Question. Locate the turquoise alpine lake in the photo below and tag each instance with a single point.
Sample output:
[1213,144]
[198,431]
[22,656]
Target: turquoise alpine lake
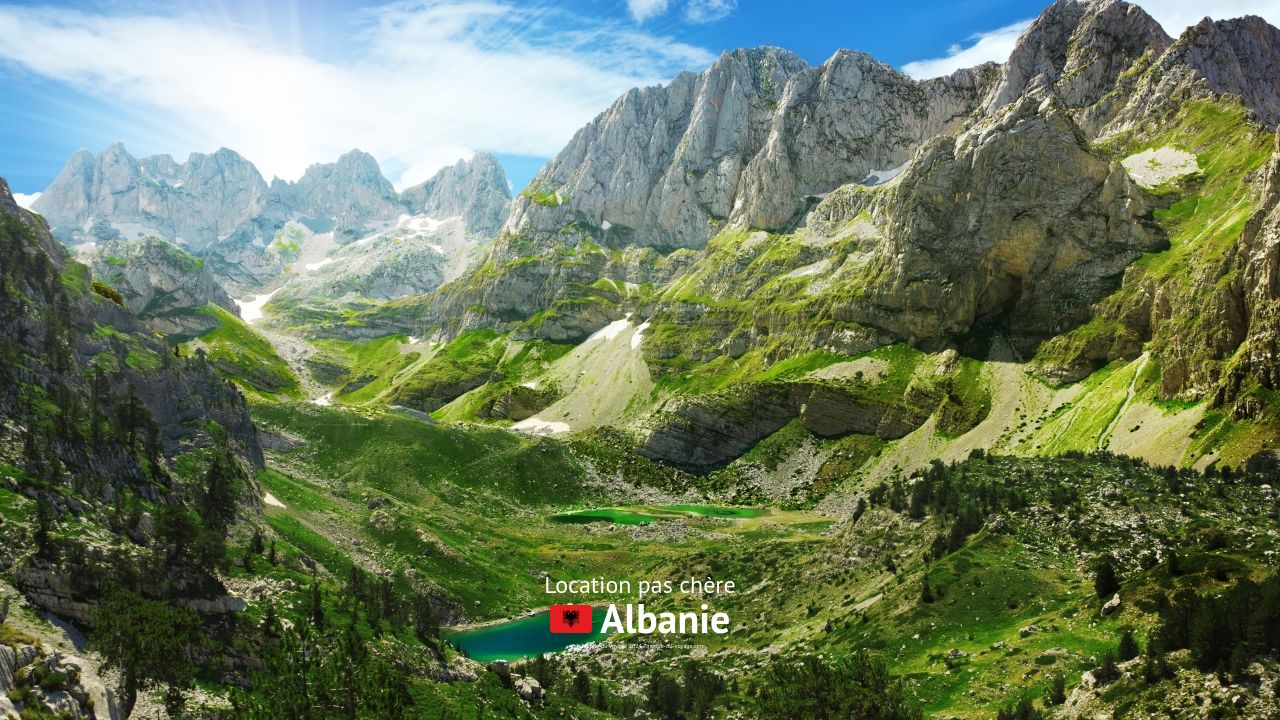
[524,637]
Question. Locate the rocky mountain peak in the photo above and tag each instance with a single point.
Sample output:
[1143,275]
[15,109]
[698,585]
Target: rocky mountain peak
[352,191]
[1240,57]
[354,166]
[743,142]
[475,190]
[1078,50]
[114,194]
[1212,58]
[766,67]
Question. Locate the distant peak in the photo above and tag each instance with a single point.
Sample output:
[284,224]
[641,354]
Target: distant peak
[116,148]
[356,156]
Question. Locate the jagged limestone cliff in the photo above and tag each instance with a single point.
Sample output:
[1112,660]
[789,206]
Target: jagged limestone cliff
[474,190]
[160,283]
[219,208]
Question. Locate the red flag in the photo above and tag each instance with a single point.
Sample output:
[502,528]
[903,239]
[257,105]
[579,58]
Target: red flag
[570,618]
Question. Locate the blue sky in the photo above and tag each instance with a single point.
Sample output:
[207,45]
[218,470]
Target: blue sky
[420,84]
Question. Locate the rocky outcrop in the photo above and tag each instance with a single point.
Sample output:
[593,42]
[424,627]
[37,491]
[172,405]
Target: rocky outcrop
[62,330]
[348,197]
[744,141]
[1212,326]
[1017,217]
[1253,271]
[527,688]
[521,402]
[160,283]
[52,682]
[475,190]
[702,433]
[1078,52]
[1238,57]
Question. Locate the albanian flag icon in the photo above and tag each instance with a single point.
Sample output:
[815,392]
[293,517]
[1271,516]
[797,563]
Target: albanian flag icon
[570,618]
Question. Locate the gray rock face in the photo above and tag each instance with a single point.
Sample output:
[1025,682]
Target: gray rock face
[528,689]
[350,194]
[196,204]
[751,141]
[219,208]
[1243,315]
[8,665]
[1077,51]
[475,190]
[1238,57]
[744,141]
[1019,216]
[700,434]
[81,695]
[160,283]
[180,396]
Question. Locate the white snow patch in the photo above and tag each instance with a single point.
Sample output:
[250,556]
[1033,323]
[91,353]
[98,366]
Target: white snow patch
[606,225]
[880,177]
[420,223]
[436,246]
[25,199]
[538,426]
[532,384]
[251,309]
[414,340]
[638,336]
[317,265]
[610,331]
[412,224]
[271,500]
[324,400]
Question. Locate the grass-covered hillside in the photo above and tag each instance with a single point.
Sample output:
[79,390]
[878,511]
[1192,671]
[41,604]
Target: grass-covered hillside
[975,584]
[758,313]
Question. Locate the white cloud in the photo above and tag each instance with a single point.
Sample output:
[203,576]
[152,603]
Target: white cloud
[708,11]
[426,82]
[1173,15]
[642,10]
[25,199]
[993,46]
[695,11]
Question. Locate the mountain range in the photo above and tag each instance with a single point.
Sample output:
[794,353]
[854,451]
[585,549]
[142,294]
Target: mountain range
[219,207]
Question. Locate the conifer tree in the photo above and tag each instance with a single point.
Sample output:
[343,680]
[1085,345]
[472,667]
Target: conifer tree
[146,640]
[1105,581]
